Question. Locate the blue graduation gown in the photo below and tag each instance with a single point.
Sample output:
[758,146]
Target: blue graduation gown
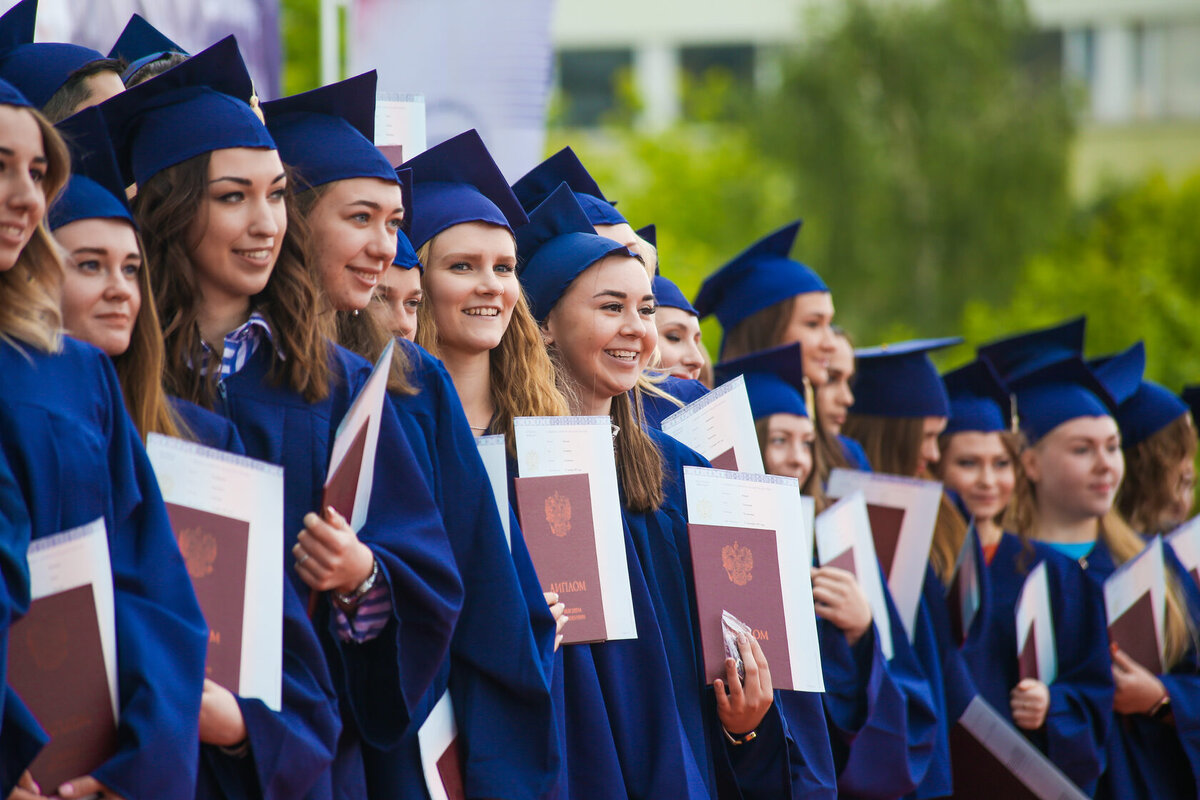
[378,682]
[76,456]
[764,768]
[500,658]
[658,408]
[1078,721]
[207,428]
[19,750]
[854,453]
[1147,758]
[882,720]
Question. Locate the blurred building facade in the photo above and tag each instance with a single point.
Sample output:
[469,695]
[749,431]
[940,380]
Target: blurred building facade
[1137,63]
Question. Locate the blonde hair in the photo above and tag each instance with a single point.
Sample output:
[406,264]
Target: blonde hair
[1123,543]
[520,353]
[29,305]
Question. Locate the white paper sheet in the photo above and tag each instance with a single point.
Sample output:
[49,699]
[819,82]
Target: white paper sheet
[1033,605]
[217,482]
[570,445]
[495,461]
[921,500]
[845,526]
[74,558]
[400,120]
[1145,572]
[718,421]
[769,502]
[366,409]
[1185,541]
[966,572]
[436,733]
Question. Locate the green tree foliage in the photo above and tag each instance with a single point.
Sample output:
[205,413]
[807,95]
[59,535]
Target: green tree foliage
[929,156]
[300,23]
[1132,264]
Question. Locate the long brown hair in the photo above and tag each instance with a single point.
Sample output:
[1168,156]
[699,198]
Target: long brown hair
[1123,543]
[1146,493]
[165,207]
[892,444]
[358,331]
[29,310]
[520,353]
[813,485]
[759,331]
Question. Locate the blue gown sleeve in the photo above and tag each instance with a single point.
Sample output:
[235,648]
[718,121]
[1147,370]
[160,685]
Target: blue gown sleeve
[1183,682]
[161,634]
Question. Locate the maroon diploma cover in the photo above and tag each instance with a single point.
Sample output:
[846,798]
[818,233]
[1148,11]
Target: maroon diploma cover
[556,518]
[737,570]
[726,460]
[844,560]
[214,549]
[886,522]
[451,770]
[1134,632]
[1027,661]
[56,665]
[341,487]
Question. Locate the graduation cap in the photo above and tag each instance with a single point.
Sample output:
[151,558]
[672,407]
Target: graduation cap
[95,189]
[405,178]
[565,167]
[650,234]
[1059,392]
[774,380]
[193,108]
[139,44]
[667,294]
[1145,408]
[37,69]
[328,134]
[406,256]
[458,181]
[557,245]
[1028,351]
[899,380]
[979,399]
[759,277]
[1191,396]
[11,95]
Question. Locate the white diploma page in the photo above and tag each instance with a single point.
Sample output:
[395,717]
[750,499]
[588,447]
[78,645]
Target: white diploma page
[1143,576]
[365,411]
[74,558]
[720,427]
[1185,541]
[769,502]
[1034,612]
[441,757]
[495,462]
[238,488]
[400,122]
[570,445]
[914,503]
[844,539]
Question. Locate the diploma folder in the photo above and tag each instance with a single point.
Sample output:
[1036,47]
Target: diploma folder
[903,512]
[62,658]
[1185,541]
[441,752]
[720,427]
[991,760]
[1135,600]
[964,594]
[493,453]
[1037,653]
[227,514]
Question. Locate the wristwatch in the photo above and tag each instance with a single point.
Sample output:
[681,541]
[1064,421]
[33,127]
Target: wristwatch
[1161,709]
[737,741]
[352,599]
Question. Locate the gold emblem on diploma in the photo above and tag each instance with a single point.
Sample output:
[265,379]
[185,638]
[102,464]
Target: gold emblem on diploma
[199,549]
[558,514]
[738,562]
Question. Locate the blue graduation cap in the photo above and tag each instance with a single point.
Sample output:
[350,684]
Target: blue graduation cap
[565,167]
[37,69]
[667,294]
[774,380]
[11,95]
[458,181]
[95,189]
[328,134]
[1121,373]
[650,234]
[406,256]
[557,245]
[139,44]
[1028,351]
[1059,392]
[405,178]
[1145,408]
[195,107]
[759,277]
[979,399]
[1191,396]
[899,380]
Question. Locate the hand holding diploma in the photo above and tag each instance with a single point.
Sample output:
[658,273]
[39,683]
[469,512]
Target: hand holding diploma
[221,721]
[1030,701]
[560,619]
[838,598]
[1138,689]
[329,555]
[744,705]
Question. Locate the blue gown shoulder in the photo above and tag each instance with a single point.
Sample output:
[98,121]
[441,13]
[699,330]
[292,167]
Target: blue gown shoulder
[854,453]
[208,428]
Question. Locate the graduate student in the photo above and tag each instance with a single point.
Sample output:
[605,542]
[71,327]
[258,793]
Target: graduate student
[498,670]
[56,77]
[212,206]
[835,399]
[65,434]
[1064,719]
[879,710]
[144,51]
[399,294]
[680,348]
[595,307]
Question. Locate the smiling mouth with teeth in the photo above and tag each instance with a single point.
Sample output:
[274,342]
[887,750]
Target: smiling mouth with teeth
[482,312]
[624,355]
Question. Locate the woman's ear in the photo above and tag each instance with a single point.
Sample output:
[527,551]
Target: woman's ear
[1031,464]
[544,329]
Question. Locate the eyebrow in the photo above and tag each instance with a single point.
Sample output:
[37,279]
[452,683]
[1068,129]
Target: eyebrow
[36,159]
[102,251]
[246,181]
[371,204]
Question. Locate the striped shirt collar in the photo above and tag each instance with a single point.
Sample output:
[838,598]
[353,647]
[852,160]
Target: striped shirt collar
[239,345]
